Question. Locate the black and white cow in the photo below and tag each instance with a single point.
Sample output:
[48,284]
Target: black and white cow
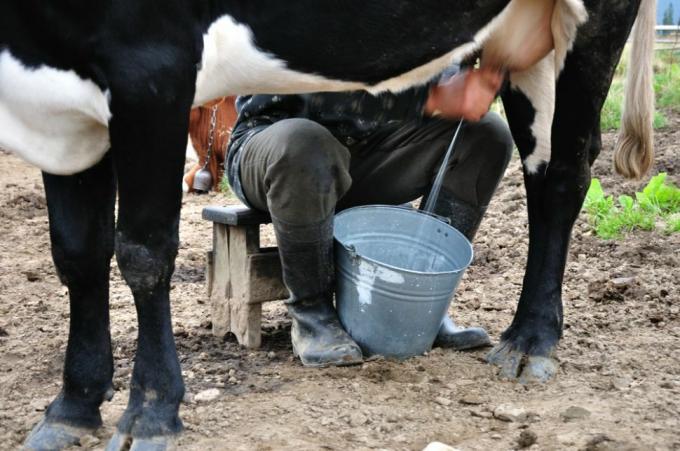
[97,94]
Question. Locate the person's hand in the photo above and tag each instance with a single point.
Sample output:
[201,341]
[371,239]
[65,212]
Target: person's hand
[467,95]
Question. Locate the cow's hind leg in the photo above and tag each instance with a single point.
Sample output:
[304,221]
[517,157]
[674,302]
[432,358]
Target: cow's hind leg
[81,229]
[556,189]
[149,137]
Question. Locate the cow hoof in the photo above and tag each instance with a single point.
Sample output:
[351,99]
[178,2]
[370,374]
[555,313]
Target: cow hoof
[517,365]
[125,442]
[54,436]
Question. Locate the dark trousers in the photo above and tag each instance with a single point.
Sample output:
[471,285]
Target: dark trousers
[299,172]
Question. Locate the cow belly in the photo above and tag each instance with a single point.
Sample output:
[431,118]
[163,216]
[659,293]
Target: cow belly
[52,118]
[232,64]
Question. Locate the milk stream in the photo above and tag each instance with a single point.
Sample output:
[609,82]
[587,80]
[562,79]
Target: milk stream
[429,264]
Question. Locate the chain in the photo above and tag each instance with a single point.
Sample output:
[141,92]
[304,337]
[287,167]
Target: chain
[211,135]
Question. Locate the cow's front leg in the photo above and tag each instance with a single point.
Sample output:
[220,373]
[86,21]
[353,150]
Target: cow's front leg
[149,134]
[81,230]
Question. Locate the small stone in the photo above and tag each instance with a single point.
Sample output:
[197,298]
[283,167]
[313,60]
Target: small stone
[233,380]
[271,354]
[621,383]
[438,446]
[598,442]
[471,400]
[622,281]
[442,401]
[32,276]
[566,439]
[89,441]
[207,395]
[392,418]
[188,398]
[481,413]
[39,404]
[357,419]
[509,413]
[574,413]
[526,439]
[232,372]
[496,436]
[325,421]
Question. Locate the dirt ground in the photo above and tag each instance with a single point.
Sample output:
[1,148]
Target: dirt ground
[618,385]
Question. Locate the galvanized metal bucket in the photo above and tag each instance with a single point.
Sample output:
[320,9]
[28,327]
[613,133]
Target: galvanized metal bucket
[396,271]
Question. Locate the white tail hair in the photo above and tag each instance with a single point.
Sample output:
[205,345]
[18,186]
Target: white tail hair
[634,152]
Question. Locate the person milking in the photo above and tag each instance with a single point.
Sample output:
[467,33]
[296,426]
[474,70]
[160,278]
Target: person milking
[303,157]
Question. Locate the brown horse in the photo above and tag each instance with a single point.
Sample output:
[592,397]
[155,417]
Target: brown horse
[224,112]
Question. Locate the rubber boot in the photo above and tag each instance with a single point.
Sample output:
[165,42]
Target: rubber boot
[465,218]
[307,262]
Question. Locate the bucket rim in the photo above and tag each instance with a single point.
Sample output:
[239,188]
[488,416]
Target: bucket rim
[351,250]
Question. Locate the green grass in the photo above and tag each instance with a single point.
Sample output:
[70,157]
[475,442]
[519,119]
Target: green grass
[666,87]
[224,186]
[658,202]
[667,84]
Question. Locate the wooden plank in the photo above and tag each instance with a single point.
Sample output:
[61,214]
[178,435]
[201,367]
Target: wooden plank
[266,283]
[235,215]
[220,282]
[209,271]
[246,324]
[245,317]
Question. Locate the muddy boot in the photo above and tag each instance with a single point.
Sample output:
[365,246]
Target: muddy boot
[466,218]
[307,262]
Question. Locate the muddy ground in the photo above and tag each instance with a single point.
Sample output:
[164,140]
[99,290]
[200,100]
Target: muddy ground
[618,385]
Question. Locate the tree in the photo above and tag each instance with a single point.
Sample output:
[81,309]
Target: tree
[668,15]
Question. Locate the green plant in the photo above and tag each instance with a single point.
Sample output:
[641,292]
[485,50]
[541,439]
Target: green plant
[612,110]
[658,201]
[224,186]
[666,87]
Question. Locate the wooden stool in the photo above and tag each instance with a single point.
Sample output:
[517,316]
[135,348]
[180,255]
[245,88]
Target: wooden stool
[240,274]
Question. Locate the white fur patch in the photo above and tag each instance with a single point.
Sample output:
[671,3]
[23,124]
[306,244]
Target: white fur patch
[568,15]
[538,84]
[52,118]
[232,65]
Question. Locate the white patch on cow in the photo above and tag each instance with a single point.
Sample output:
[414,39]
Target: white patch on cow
[52,118]
[568,15]
[538,85]
[232,64]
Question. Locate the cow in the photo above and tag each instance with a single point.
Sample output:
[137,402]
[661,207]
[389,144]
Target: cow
[210,127]
[98,94]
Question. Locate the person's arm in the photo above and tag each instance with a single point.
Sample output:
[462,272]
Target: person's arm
[465,94]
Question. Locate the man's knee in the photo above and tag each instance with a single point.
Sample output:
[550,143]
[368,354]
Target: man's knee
[310,156]
[309,145]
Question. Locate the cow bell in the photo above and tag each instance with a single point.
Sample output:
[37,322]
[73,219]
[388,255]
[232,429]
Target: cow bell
[203,181]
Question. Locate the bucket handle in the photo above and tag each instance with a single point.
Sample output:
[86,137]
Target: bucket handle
[443,219]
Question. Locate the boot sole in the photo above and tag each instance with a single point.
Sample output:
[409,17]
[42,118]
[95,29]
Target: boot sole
[337,363]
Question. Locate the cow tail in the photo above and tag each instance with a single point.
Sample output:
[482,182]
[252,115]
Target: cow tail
[634,152]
